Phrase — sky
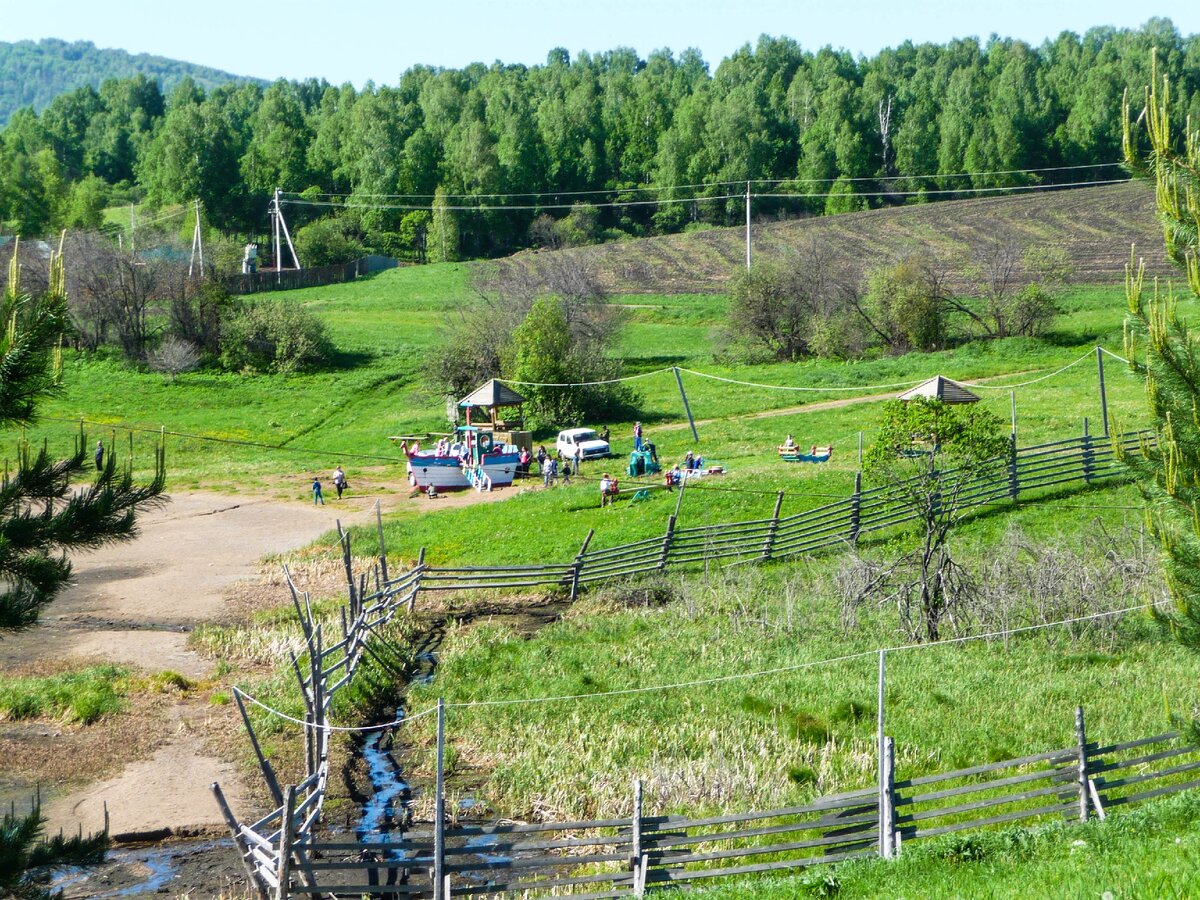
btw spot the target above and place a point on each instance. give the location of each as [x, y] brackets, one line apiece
[360, 40]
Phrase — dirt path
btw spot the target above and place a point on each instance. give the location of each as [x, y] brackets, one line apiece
[135, 604]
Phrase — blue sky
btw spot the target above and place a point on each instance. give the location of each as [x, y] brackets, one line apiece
[356, 40]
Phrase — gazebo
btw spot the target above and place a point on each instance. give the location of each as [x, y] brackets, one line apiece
[940, 388]
[492, 396]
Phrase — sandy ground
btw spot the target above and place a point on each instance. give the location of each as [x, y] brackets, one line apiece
[135, 603]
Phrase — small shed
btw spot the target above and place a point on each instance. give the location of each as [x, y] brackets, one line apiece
[494, 396]
[940, 388]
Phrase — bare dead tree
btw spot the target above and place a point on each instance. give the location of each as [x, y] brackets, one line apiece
[114, 291]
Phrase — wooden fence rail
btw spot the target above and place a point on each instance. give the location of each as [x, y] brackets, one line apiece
[623, 857]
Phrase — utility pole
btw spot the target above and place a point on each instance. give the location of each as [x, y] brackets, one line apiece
[747, 226]
[197, 244]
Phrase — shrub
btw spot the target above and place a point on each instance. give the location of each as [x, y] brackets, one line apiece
[173, 357]
[326, 242]
[274, 336]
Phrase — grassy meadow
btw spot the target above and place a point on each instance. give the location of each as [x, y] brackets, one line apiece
[753, 742]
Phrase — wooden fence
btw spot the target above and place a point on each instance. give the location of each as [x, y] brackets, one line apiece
[285, 855]
[1084, 460]
[290, 279]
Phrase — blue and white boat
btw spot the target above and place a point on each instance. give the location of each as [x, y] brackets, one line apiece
[471, 458]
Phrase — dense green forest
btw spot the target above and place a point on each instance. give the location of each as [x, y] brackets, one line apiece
[35, 72]
[821, 126]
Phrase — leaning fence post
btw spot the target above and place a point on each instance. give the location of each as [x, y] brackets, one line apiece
[1081, 740]
[577, 566]
[263, 763]
[666, 546]
[769, 543]
[856, 508]
[243, 848]
[284, 865]
[1089, 454]
[439, 815]
[382, 545]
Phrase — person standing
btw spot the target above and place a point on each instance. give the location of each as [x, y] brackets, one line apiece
[99, 455]
[549, 471]
[339, 480]
[604, 434]
[578, 459]
[541, 458]
[316, 489]
[637, 435]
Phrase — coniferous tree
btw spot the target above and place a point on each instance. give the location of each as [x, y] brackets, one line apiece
[43, 515]
[1164, 353]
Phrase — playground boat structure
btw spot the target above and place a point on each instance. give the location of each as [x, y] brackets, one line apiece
[470, 459]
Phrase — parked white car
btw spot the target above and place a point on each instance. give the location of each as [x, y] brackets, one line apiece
[572, 439]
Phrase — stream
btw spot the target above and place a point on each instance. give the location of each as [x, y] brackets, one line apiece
[152, 870]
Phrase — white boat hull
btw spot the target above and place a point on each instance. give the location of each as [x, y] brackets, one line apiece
[447, 474]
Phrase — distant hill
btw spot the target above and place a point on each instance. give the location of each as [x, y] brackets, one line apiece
[1096, 226]
[34, 73]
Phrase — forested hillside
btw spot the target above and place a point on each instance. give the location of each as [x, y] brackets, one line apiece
[578, 151]
[35, 72]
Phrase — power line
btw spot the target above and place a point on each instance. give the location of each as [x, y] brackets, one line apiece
[232, 441]
[617, 204]
[650, 188]
[741, 676]
[704, 682]
[402, 720]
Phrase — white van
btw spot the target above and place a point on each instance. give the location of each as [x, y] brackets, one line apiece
[572, 439]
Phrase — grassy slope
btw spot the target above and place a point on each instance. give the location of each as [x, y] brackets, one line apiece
[741, 743]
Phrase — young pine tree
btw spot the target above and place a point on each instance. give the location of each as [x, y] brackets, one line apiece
[1164, 353]
[44, 513]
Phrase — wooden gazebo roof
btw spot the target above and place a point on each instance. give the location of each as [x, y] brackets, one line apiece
[940, 388]
[492, 394]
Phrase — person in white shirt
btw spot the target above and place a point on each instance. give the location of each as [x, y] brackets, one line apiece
[339, 480]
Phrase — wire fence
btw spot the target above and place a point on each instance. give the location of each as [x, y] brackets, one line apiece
[286, 854]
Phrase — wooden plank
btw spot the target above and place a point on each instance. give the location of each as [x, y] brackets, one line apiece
[519, 885]
[534, 862]
[823, 804]
[370, 890]
[740, 834]
[673, 875]
[1142, 760]
[984, 786]
[988, 767]
[678, 859]
[1106, 785]
[1146, 795]
[519, 846]
[925, 814]
[523, 828]
[1070, 805]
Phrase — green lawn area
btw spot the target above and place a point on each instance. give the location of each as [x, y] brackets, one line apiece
[1145, 854]
[385, 326]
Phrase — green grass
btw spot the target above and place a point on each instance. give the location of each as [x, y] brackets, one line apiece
[385, 326]
[81, 696]
[740, 744]
[1150, 853]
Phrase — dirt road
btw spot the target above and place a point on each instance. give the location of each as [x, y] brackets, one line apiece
[135, 604]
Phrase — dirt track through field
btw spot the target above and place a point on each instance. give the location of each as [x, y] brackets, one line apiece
[820, 405]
